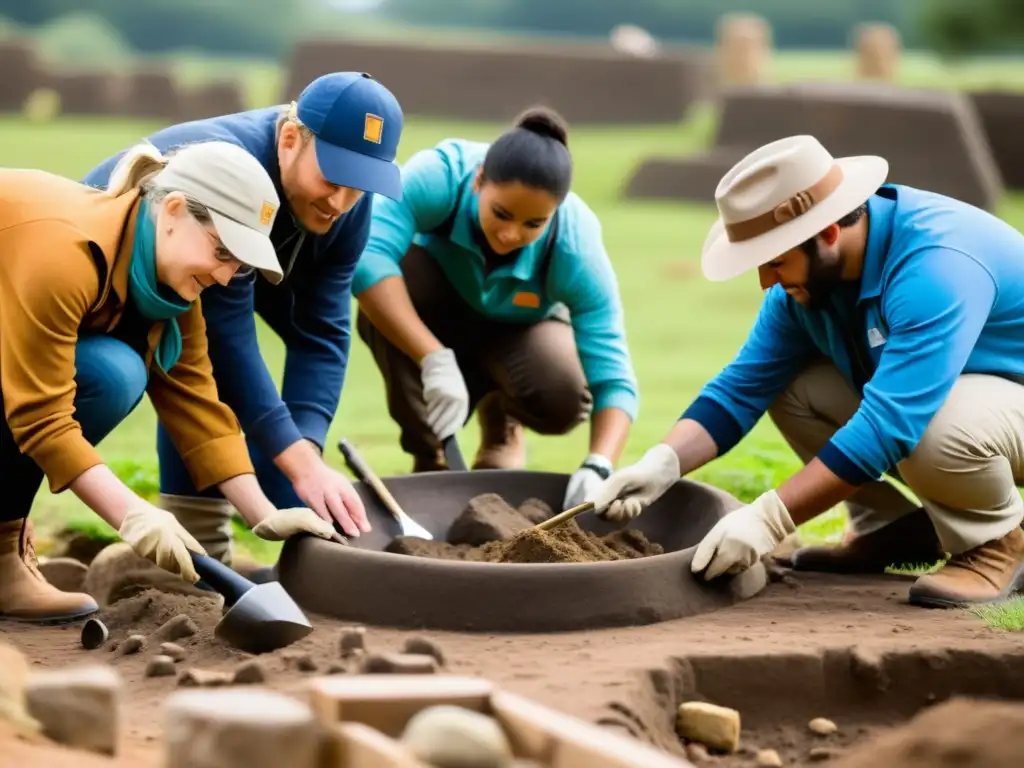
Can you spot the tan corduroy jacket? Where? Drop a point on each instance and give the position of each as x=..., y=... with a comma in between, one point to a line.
x=57, y=237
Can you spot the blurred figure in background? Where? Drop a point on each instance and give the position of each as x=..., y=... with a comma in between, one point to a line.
x=324, y=152
x=487, y=287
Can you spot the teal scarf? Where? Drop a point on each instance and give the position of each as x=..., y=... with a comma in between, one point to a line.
x=154, y=302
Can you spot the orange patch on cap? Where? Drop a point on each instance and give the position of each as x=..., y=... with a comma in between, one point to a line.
x=266, y=213
x=373, y=128
x=526, y=299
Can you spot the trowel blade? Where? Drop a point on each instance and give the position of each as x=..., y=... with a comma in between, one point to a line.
x=264, y=619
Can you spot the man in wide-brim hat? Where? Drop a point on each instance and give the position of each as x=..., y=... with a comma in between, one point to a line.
x=890, y=340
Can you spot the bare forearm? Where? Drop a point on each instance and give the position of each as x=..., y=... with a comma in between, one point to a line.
x=245, y=495
x=297, y=460
x=609, y=430
x=104, y=493
x=692, y=444
x=387, y=305
x=813, y=490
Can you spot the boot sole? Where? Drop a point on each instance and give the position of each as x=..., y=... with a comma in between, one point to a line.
x=924, y=600
x=50, y=621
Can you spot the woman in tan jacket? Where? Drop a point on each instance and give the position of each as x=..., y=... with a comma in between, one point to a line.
x=99, y=305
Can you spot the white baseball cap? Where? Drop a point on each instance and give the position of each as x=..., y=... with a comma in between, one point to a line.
x=237, y=191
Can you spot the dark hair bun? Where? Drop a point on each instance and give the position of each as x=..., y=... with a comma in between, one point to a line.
x=545, y=122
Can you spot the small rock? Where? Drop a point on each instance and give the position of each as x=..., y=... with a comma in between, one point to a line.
x=352, y=640
x=302, y=661
x=822, y=726
x=424, y=646
x=249, y=672
x=234, y=727
x=177, y=628
x=449, y=736
x=14, y=677
x=821, y=754
x=78, y=706
x=204, y=678
x=336, y=668
x=697, y=752
x=160, y=666
x=65, y=573
x=94, y=634
x=131, y=645
x=715, y=727
x=399, y=664
x=769, y=758
x=175, y=651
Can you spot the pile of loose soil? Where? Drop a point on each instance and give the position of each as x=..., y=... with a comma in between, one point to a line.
x=489, y=530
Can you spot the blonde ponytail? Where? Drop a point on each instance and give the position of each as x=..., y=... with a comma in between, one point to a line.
x=136, y=166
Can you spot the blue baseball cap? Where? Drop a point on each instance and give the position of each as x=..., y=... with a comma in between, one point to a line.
x=357, y=124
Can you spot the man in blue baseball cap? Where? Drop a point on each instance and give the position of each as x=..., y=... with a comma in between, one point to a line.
x=328, y=152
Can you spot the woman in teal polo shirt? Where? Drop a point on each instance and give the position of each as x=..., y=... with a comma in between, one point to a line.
x=488, y=287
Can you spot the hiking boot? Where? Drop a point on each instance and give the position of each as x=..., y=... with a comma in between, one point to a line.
x=908, y=541
x=208, y=520
x=25, y=594
x=991, y=572
x=502, y=443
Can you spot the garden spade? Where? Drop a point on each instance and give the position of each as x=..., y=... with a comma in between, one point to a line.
x=259, y=617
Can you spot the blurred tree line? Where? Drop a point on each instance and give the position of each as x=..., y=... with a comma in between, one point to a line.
x=270, y=27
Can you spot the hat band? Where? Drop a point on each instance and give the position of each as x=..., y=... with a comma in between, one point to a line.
x=793, y=208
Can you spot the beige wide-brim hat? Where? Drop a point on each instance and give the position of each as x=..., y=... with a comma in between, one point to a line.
x=780, y=196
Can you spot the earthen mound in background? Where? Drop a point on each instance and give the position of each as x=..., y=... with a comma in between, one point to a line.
x=491, y=531
x=908, y=127
x=497, y=81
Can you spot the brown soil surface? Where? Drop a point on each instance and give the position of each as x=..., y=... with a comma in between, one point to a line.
x=491, y=531
x=847, y=648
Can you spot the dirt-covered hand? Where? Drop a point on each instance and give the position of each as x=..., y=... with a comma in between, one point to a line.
x=627, y=492
x=741, y=538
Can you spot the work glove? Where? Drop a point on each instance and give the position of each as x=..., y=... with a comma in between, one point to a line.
x=445, y=393
x=741, y=538
x=284, y=523
x=627, y=492
x=156, y=535
x=586, y=480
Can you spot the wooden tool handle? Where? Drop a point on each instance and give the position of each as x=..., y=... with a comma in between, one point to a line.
x=561, y=517
x=362, y=471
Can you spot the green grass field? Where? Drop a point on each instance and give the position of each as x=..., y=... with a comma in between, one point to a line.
x=682, y=329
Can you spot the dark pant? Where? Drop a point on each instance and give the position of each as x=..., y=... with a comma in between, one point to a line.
x=110, y=380
x=176, y=481
x=534, y=369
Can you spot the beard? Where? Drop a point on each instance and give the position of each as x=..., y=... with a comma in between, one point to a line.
x=824, y=275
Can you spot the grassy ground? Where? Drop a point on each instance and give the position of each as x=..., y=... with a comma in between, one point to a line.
x=682, y=329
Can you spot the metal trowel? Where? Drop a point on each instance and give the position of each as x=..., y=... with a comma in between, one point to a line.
x=258, y=618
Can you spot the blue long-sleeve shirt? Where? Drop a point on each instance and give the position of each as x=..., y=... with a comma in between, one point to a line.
x=581, y=277
x=942, y=294
x=310, y=310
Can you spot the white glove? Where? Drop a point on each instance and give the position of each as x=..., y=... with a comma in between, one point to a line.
x=625, y=494
x=586, y=480
x=156, y=535
x=284, y=523
x=741, y=538
x=445, y=392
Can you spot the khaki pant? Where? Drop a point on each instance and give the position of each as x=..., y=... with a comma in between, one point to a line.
x=533, y=369
x=965, y=470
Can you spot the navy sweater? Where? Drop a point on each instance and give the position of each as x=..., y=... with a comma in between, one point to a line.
x=310, y=309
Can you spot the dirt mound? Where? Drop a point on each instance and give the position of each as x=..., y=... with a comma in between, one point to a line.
x=962, y=732
x=491, y=531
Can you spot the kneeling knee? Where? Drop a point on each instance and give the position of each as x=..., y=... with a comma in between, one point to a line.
x=558, y=409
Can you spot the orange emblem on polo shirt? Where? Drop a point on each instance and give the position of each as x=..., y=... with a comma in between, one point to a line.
x=373, y=128
x=526, y=299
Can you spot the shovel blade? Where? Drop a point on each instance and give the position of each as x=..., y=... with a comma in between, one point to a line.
x=263, y=620
x=411, y=528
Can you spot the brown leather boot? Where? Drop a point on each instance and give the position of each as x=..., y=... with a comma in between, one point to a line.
x=502, y=443
x=991, y=572
x=909, y=541
x=25, y=594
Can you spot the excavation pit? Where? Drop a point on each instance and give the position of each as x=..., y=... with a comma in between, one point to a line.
x=850, y=707
x=518, y=594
